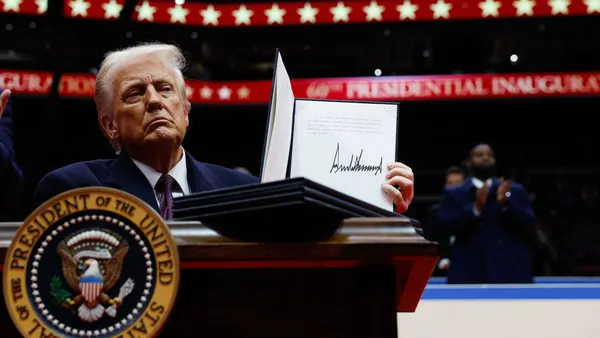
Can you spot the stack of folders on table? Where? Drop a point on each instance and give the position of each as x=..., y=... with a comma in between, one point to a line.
x=295, y=209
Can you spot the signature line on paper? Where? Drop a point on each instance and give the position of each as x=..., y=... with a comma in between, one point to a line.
x=354, y=164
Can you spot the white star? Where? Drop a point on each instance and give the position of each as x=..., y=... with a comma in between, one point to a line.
x=275, y=14
x=440, y=9
x=178, y=13
x=206, y=92
x=42, y=6
x=11, y=5
x=592, y=6
x=112, y=9
x=340, y=12
x=210, y=15
x=224, y=93
x=79, y=7
x=145, y=11
x=242, y=15
x=243, y=93
x=524, y=7
x=189, y=91
x=308, y=13
x=407, y=10
x=560, y=6
x=373, y=11
x=489, y=8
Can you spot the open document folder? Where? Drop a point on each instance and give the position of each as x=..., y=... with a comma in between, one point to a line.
x=343, y=145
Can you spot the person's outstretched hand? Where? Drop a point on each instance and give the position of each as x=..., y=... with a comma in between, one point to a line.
x=4, y=100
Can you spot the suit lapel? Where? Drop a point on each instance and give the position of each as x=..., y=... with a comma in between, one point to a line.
x=468, y=189
x=125, y=175
x=196, y=176
x=468, y=185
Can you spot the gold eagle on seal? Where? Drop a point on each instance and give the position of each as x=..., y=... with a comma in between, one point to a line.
x=92, y=261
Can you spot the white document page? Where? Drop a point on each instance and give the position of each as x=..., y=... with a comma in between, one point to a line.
x=279, y=134
x=345, y=146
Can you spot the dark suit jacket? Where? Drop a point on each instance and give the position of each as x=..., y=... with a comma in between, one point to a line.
x=11, y=176
x=123, y=174
x=434, y=232
x=491, y=247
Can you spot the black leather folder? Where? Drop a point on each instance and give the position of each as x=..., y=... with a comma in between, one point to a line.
x=295, y=209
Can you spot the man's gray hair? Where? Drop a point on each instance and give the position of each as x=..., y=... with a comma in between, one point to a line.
x=114, y=62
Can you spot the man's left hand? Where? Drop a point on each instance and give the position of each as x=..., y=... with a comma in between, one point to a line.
x=399, y=185
x=503, y=191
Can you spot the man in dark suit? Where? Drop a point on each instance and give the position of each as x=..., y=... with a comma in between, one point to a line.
x=492, y=221
x=143, y=111
x=11, y=176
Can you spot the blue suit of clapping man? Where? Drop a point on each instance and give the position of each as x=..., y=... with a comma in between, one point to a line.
x=492, y=222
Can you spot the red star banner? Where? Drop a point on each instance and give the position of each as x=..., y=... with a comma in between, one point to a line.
x=310, y=13
x=400, y=88
x=29, y=7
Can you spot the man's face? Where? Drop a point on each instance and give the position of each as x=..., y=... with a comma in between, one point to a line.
x=482, y=160
x=454, y=179
x=149, y=111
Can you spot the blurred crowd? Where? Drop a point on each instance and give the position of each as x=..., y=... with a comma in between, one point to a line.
x=568, y=214
x=567, y=227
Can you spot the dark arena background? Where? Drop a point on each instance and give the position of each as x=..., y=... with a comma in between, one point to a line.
x=523, y=76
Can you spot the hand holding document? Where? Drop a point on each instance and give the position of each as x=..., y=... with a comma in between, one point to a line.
x=344, y=145
x=400, y=185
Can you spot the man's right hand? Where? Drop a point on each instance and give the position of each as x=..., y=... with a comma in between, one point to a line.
x=4, y=100
x=481, y=197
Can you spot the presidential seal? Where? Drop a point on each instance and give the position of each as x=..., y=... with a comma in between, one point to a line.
x=91, y=262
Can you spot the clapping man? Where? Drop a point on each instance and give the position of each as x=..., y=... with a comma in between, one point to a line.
x=492, y=222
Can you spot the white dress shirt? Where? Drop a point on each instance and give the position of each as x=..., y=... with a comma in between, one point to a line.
x=179, y=174
x=479, y=184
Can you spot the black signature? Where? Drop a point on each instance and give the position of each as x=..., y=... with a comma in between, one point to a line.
x=354, y=164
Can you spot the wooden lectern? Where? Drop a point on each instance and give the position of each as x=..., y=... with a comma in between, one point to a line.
x=351, y=285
